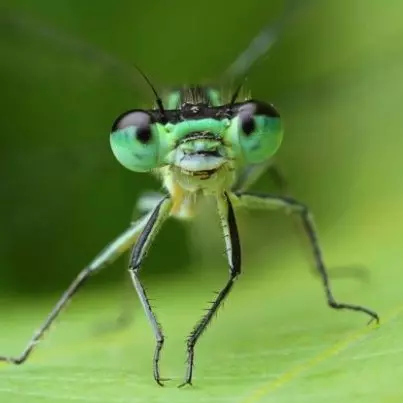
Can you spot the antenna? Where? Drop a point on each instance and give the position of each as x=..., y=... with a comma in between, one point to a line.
x=157, y=97
x=236, y=93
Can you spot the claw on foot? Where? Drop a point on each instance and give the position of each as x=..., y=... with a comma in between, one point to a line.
x=187, y=382
x=160, y=381
x=375, y=319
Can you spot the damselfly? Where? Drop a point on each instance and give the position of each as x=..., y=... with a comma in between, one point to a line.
x=200, y=144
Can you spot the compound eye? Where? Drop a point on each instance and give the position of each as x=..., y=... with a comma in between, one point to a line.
x=140, y=120
x=134, y=140
x=248, y=112
x=259, y=131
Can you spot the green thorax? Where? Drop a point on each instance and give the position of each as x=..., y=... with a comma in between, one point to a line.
x=193, y=95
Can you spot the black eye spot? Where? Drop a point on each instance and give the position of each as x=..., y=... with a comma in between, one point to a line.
x=249, y=110
x=247, y=124
x=246, y=115
x=143, y=134
x=140, y=120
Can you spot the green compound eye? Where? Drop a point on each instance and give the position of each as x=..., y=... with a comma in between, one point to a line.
x=260, y=131
x=134, y=141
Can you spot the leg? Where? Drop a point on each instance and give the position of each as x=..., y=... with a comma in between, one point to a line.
x=272, y=202
x=233, y=251
x=251, y=173
x=146, y=203
x=154, y=223
x=108, y=255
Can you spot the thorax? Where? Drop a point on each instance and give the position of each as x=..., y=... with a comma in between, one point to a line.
x=187, y=189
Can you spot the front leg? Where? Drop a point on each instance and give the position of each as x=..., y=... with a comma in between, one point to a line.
x=233, y=251
x=157, y=218
x=108, y=255
x=265, y=201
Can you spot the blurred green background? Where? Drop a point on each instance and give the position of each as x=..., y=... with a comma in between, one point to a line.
x=337, y=77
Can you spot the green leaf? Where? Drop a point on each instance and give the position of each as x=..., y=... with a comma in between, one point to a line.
x=274, y=340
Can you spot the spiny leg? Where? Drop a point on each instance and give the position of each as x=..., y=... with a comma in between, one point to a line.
x=106, y=256
x=264, y=201
x=233, y=251
x=251, y=173
x=157, y=218
x=145, y=203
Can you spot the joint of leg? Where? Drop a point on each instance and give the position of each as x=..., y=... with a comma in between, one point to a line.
x=134, y=268
x=160, y=341
x=304, y=211
x=300, y=209
x=333, y=304
x=190, y=344
x=17, y=361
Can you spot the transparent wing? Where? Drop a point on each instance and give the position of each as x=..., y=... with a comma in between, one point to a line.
x=15, y=25
x=69, y=91
x=264, y=40
x=258, y=48
x=250, y=174
x=60, y=96
x=40, y=66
